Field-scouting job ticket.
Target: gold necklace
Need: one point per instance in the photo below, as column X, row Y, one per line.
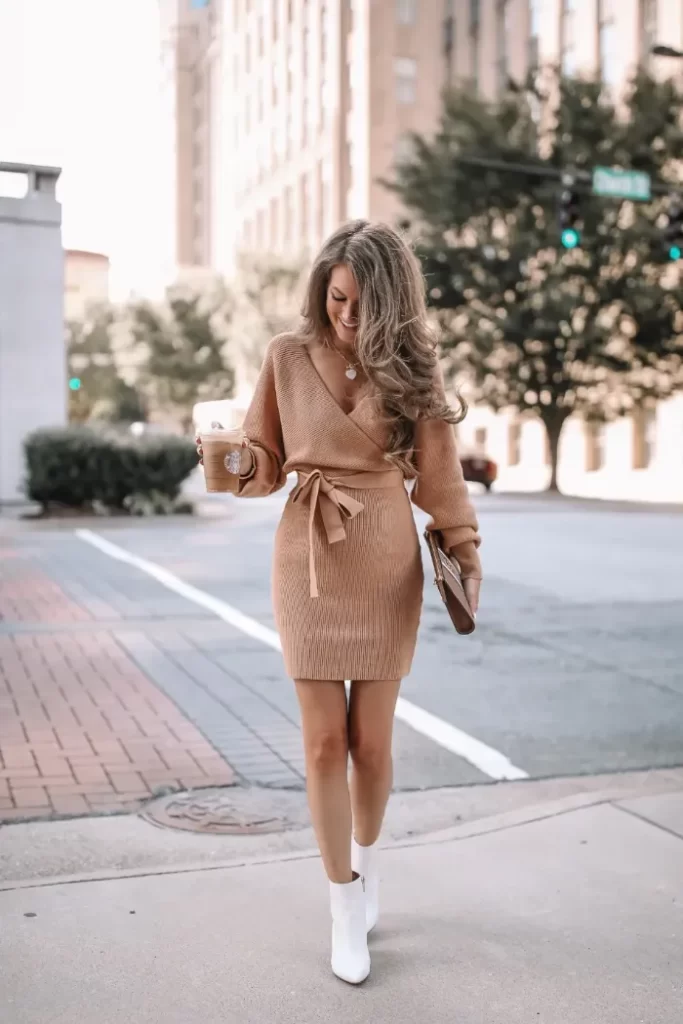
column 351, row 368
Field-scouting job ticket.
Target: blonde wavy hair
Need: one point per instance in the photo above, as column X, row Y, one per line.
column 394, row 344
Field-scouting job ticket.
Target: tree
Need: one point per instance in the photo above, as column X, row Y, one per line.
column 268, row 298
column 182, row 345
column 546, row 331
column 102, row 394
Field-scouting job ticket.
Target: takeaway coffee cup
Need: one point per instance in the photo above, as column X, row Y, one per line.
column 222, row 450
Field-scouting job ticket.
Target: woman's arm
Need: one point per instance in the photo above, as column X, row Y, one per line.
column 264, row 456
column 441, row 492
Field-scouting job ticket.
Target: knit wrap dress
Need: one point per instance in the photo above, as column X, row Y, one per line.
column 347, row 572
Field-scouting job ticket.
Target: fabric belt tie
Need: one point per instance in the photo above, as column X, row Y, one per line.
column 335, row 506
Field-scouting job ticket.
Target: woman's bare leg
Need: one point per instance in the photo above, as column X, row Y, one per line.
column 324, row 723
column 371, row 722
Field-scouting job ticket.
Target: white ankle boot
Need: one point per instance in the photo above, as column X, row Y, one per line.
column 350, row 956
column 364, row 861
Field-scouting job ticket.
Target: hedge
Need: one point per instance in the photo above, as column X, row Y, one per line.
column 82, row 468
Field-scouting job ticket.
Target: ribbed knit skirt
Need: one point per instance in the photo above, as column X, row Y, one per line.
column 363, row 624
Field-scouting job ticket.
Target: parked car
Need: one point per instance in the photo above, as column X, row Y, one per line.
column 478, row 469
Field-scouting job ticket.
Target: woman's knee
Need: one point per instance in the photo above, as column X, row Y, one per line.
column 369, row 753
column 327, row 750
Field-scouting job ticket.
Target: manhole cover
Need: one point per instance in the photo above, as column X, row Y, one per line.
column 231, row 811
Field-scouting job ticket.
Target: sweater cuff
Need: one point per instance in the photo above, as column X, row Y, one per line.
column 467, row 558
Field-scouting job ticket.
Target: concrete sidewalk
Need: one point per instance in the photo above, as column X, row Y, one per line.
column 567, row 917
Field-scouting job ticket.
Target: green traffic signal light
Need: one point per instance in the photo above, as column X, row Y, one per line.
column 570, row 238
column 75, row 383
column 675, row 252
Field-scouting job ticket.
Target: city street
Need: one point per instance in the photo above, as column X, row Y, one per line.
column 138, row 658
column 574, row 668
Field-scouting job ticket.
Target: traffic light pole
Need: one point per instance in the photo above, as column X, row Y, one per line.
column 536, row 170
column 574, row 181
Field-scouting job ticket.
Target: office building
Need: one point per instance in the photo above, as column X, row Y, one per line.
column 86, row 282
column 289, row 113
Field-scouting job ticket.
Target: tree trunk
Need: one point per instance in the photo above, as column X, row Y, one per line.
column 553, row 428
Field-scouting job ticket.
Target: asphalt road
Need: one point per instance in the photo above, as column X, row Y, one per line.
column 575, row 668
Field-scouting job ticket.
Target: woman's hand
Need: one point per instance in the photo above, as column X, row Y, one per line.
column 200, row 451
column 471, row 588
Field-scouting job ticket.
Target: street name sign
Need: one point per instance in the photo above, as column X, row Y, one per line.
column 610, row 181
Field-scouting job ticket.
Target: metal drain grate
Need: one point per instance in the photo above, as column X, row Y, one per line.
column 229, row 811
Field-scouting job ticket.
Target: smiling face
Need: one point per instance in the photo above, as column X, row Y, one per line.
column 342, row 304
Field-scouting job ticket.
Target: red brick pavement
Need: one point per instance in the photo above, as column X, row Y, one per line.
column 28, row 595
column 82, row 729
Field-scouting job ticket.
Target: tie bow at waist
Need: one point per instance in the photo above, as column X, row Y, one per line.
column 335, row 506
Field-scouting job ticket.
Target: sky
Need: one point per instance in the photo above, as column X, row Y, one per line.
column 81, row 88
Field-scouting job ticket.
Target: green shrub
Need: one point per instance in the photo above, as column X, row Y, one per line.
column 82, row 468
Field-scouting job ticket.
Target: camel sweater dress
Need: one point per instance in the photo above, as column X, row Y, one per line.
column 347, row 573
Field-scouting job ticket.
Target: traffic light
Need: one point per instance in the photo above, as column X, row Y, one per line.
column 75, row 383
column 569, row 216
column 673, row 233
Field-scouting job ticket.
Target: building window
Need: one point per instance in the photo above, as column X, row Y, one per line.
column 644, row 438
column 568, row 37
column 608, row 55
column 260, row 99
column 289, row 217
column 534, row 32
column 474, row 42
column 322, row 202
column 260, row 229
column 404, row 149
column 406, row 12
column 324, row 33
column 514, row 444
column 305, row 201
column 274, row 225
column 502, row 40
column 291, row 67
column 405, row 70
column 648, row 28
column 595, row 447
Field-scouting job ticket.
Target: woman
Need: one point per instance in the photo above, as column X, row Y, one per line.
column 354, row 404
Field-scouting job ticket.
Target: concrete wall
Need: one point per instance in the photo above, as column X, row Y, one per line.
column 32, row 352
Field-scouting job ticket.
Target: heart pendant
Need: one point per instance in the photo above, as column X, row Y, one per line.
column 351, row 373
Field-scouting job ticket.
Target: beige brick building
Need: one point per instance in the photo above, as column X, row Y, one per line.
column 86, row 281
column 287, row 113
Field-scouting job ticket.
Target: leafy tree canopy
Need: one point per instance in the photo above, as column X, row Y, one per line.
column 595, row 330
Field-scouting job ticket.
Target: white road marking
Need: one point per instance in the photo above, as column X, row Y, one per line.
column 486, row 759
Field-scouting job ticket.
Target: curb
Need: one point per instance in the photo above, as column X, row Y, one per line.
column 484, row 826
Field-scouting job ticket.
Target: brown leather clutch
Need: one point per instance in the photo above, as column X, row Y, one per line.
column 449, row 584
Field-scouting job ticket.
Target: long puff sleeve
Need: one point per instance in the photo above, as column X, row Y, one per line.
column 263, row 432
column 441, row 492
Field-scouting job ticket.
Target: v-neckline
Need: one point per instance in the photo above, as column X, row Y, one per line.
column 316, row 371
